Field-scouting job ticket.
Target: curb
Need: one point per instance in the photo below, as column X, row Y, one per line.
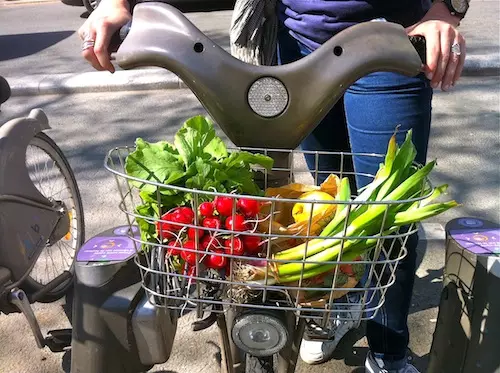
column 98, row 81
column 25, row 2
column 159, row 79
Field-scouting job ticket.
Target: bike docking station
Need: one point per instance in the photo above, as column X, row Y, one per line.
column 115, row 327
column 468, row 325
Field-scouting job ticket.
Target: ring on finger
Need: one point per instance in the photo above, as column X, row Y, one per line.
column 88, row 43
column 455, row 49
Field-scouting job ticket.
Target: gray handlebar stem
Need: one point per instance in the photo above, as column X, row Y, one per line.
column 264, row 106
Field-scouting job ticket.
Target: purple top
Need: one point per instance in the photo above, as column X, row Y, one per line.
column 313, row 22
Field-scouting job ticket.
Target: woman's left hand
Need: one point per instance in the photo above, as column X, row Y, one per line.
column 444, row 65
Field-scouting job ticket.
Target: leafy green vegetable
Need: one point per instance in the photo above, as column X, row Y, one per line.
column 157, row 162
column 147, row 229
column 197, row 138
column 198, row 159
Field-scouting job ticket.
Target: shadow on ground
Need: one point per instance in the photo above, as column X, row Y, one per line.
column 22, row 45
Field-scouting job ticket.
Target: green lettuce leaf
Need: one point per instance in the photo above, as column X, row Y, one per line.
column 193, row 137
column 248, row 159
column 154, row 162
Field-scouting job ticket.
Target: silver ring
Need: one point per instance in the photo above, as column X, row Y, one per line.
column 89, row 43
column 455, row 49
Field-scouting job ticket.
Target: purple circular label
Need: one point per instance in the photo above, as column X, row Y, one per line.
column 478, row 241
column 106, row 249
column 124, row 230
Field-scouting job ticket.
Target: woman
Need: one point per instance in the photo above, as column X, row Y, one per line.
column 362, row 121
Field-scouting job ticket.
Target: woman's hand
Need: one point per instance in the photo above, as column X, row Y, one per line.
column 444, row 66
column 98, row 29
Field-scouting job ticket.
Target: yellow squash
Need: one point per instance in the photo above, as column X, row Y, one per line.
column 302, row 211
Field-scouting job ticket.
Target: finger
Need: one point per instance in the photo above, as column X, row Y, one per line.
column 433, row 52
column 103, row 38
column 451, row 68
column 460, row 66
column 446, row 39
column 89, row 54
column 83, row 32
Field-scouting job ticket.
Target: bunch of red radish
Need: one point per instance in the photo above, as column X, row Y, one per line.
column 214, row 215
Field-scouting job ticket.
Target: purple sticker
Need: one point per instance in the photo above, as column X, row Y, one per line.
column 106, row 249
column 478, row 241
column 125, row 230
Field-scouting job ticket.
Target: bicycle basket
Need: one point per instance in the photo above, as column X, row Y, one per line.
column 242, row 258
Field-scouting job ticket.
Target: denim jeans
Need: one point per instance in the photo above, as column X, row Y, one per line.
column 362, row 122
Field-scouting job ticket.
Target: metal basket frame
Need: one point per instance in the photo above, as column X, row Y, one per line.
column 167, row 288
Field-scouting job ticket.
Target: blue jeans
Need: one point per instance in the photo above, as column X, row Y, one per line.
column 363, row 121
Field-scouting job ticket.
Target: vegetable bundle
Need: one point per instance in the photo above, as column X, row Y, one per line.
column 390, row 201
column 201, row 228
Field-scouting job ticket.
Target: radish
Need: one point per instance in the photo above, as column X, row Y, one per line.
column 236, row 223
column 189, row 256
column 249, row 207
column 164, row 229
column 175, row 248
column 252, row 244
column 224, row 205
column 236, row 249
column 183, row 215
column 213, row 223
column 209, row 243
column 192, row 233
column 216, row 261
column 206, row 209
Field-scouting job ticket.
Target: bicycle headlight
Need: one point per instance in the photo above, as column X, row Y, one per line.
column 259, row 334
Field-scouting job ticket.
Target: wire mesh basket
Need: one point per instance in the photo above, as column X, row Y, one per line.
column 241, row 257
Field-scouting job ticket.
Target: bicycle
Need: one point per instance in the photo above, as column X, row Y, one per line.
column 41, row 220
column 260, row 323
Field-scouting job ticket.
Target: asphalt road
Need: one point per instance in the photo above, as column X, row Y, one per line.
column 41, row 38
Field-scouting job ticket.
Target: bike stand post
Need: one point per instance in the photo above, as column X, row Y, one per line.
column 107, row 291
column 466, row 335
column 226, row 356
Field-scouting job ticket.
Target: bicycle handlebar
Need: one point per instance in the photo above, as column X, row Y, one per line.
column 265, row 106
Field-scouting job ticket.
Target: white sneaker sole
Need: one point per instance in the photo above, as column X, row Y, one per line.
column 327, row 348
column 317, row 352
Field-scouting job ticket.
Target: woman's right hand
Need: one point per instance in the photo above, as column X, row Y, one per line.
column 98, row 29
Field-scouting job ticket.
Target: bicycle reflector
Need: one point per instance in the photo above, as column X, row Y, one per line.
column 259, row 333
